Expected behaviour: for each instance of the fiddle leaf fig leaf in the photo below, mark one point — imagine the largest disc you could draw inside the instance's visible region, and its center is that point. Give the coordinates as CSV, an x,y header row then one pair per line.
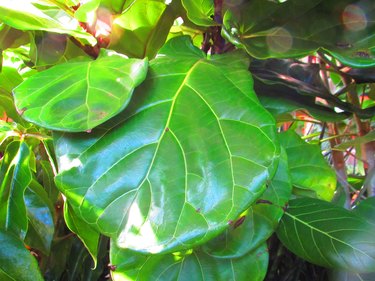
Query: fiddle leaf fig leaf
x,y
189,265
42,15
200,12
258,223
184,154
328,235
142,28
16,263
311,175
78,96
15,176
88,236
295,28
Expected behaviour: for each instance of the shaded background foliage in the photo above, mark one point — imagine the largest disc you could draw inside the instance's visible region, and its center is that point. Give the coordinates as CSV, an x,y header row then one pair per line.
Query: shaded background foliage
x,y
173,140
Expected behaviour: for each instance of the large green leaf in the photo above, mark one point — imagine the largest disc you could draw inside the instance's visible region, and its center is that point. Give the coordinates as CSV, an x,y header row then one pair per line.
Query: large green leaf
x,y
42,15
16,263
15,176
77,96
190,265
258,223
142,28
88,236
311,174
328,235
297,28
183,160
337,275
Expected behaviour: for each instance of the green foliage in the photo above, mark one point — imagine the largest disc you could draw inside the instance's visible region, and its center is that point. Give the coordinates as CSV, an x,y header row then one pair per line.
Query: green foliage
x,y
158,140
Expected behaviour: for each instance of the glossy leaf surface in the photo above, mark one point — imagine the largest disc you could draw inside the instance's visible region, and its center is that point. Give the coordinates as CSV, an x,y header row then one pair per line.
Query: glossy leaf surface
x,y
192,265
16,263
41,15
184,154
328,235
40,218
310,172
142,28
88,236
15,176
200,12
297,28
77,96
258,223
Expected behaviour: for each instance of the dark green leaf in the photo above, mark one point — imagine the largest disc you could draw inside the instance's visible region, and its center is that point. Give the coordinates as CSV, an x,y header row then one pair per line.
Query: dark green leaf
x,y
183,152
142,28
260,221
309,170
77,96
328,235
337,275
16,263
366,209
190,265
88,236
15,176
40,218
41,15
297,28
200,12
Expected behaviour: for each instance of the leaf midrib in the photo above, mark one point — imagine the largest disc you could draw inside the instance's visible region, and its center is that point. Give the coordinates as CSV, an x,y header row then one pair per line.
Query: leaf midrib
x,y
325,234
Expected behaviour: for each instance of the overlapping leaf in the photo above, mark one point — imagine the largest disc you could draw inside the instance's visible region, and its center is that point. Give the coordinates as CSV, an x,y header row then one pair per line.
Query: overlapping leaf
x,y
186,157
77,96
258,223
142,28
41,15
297,28
41,225
88,236
328,235
15,176
200,12
190,265
311,174
16,263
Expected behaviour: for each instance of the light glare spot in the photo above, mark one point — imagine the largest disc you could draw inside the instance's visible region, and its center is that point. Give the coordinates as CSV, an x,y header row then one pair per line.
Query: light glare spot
x,y
354,18
279,40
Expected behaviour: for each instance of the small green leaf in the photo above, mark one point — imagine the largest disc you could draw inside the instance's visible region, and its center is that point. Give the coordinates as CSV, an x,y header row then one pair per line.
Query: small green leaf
x,y
16,263
88,236
41,15
325,234
189,265
200,12
40,218
183,151
78,96
15,176
309,170
259,222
